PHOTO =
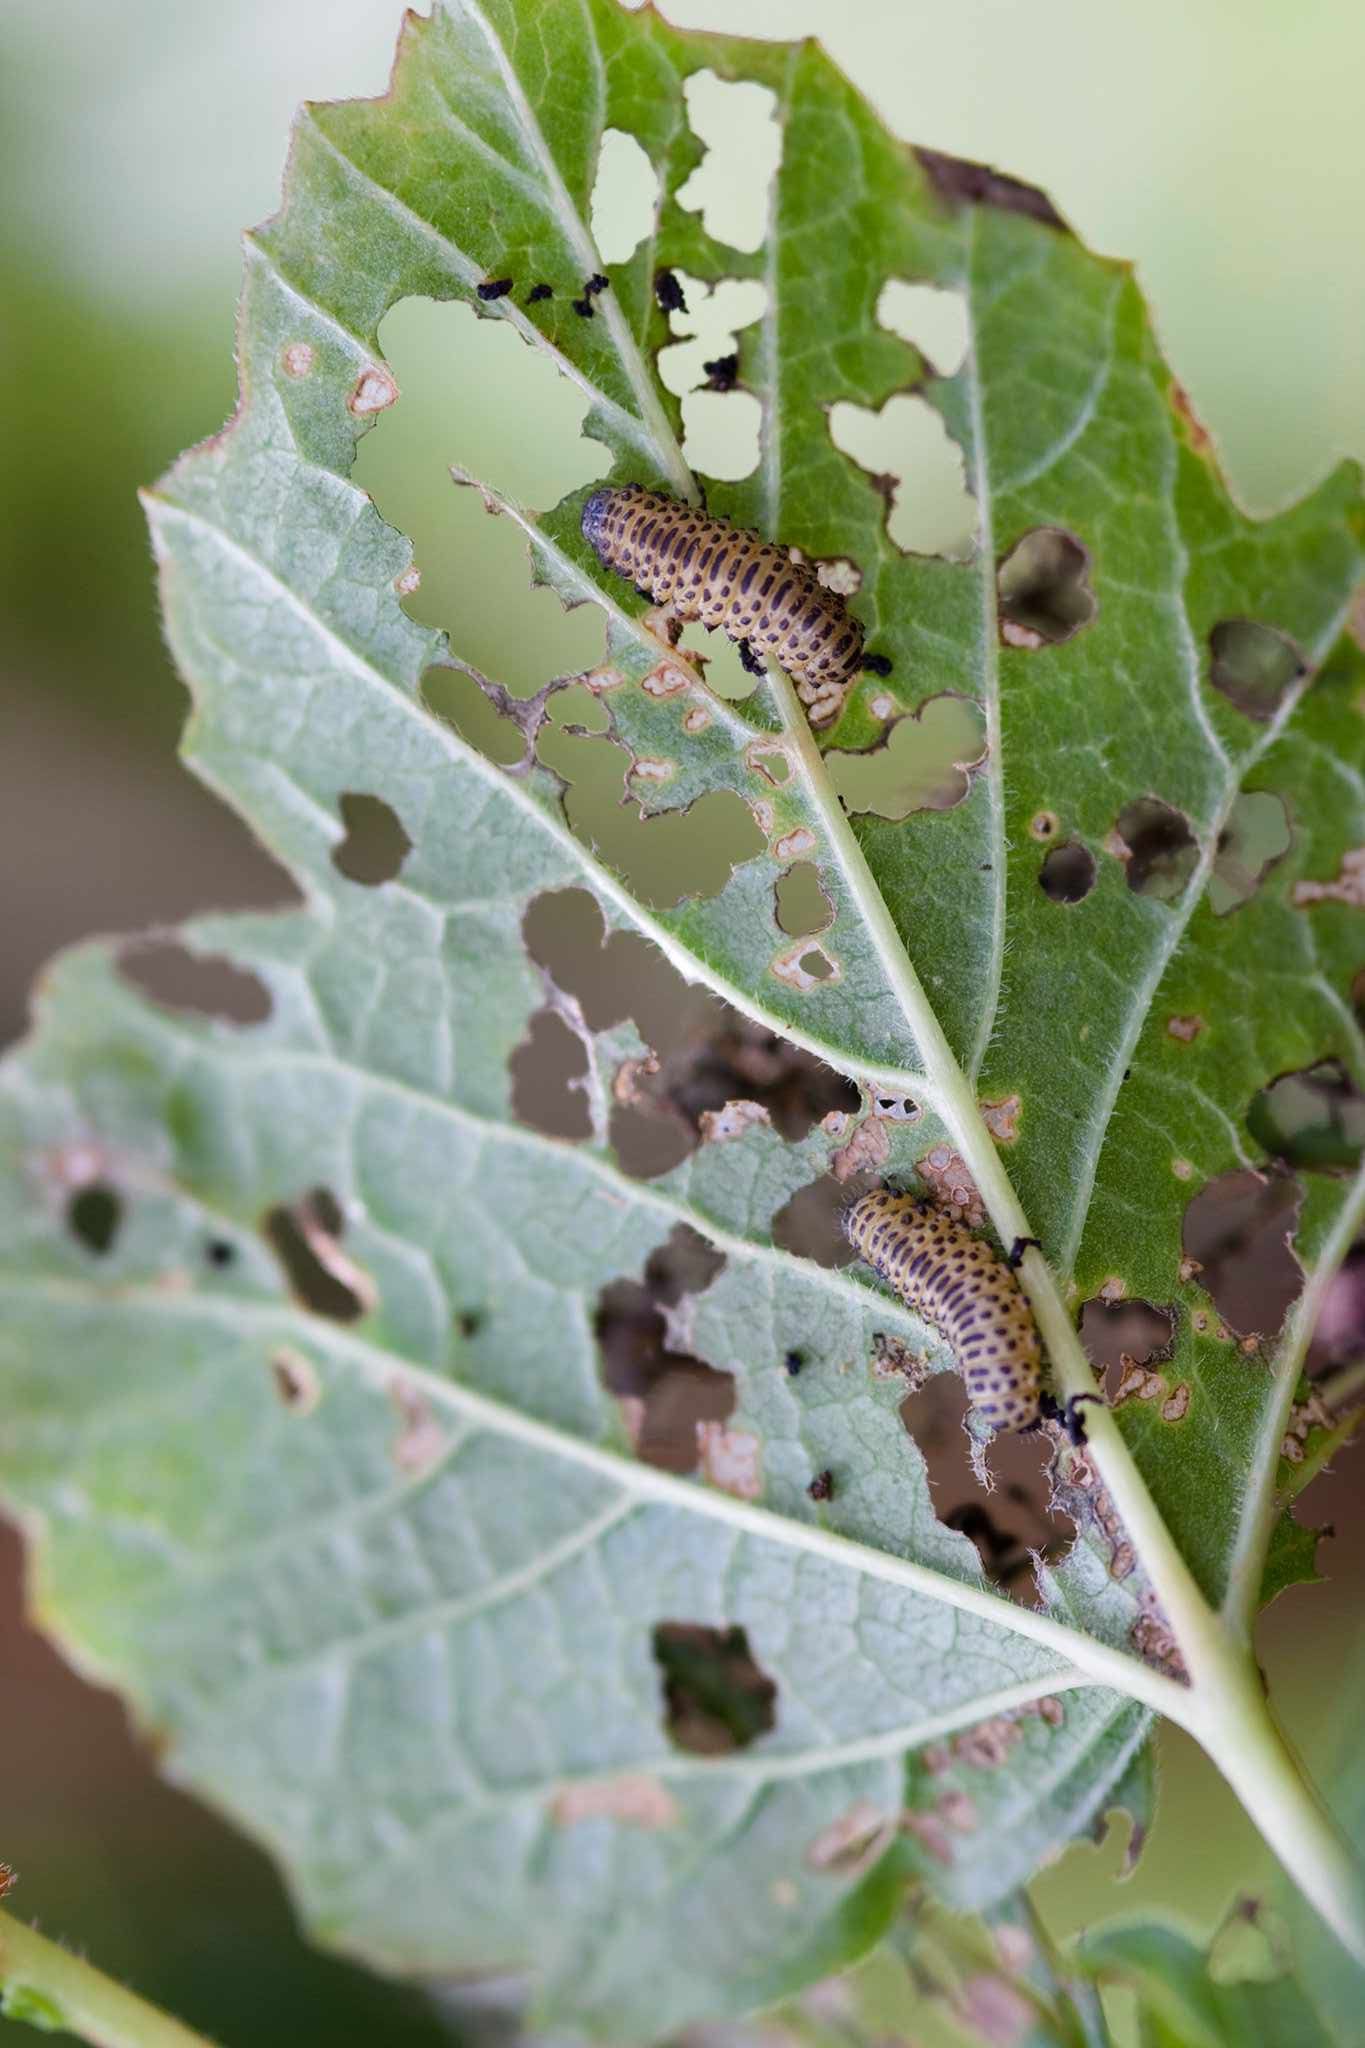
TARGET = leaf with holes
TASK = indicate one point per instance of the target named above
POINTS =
(344, 1384)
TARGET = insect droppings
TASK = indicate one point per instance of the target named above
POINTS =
(722, 374)
(494, 288)
(703, 568)
(793, 1362)
(669, 292)
(956, 1282)
(583, 307)
(822, 1486)
(537, 293)
(595, 284)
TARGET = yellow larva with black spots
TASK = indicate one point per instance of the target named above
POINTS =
(959, 1284)
(703, 568)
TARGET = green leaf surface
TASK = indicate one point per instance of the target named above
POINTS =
(386, 1586)
(1181, 2004)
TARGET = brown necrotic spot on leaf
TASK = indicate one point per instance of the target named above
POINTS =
(866, 1150)
(1157, 847)
(1347, 888)
(948, 1181)
(624, 196)
(1178, 1406)
(923, 764)
(373, 391)
(1067, 874)
(296, 359)
(802, 905)
(93, 1215)
(959, 182)
(1186, 1029)
(666, 1394)
(1044, 826)
(716, 1698)
(1239, 1228)
(1256, 835)
(296, 1380)
(731, 1120)
(1002, 1118)
(853, 1842)
(375, 845)
(1254, 666)
(908, 438)
(635, 1799)
(548, 1071)
(1313, 1117)
(200, 984)
(305, 1236)
(1043, 589)
(731, 1459)
(421, 1441)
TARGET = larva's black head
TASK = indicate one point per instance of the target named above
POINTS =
(594, 517)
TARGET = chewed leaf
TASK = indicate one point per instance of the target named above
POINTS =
(514, 1537)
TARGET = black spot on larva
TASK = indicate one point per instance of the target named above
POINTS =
(1043, 589)
(1254, 666)
(716, 1698)
(1068, 872)
(669, 292)
(961, 182)
(375, 845)
(494, 288)
(93, 1216)
(722, 374)
(537, 293)
(1162, 850)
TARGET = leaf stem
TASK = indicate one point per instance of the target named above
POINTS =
(44, 1983)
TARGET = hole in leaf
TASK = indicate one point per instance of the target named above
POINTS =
(475, 395)
(1116, 1333)
(93, 1216)
(613, 976)
(625, 196)
(306, 1238)
(802, 906)
(375, 845)
(1238, 1230)
(1067, 874)
(199, 984)
(908, 450)
(1314, 1117)
(923, 764)
(725, 670)
(721, 433)
(1006, 1524)
(931, 318)
(1339, 1338)
(1157, 846)
(665, 855)
(811, 1223)
(730, 187)
(1256, 835)
(547, 1072)
(664, 1391)
(456, 698)
(716, 1698)
(1254, 666)
(1043, 589)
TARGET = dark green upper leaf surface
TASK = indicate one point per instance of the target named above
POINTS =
(389, 1586)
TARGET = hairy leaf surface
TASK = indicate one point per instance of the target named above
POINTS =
(385, 1575)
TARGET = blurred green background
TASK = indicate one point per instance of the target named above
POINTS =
(1218, 143)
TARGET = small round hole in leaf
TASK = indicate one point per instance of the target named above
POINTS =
(375, 845)
(1044, 590)
(1162, 852)
(1253, 666)
(93, 1216)
(1067, 873)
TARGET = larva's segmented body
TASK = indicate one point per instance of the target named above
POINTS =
(958, 1283)
(704, 568)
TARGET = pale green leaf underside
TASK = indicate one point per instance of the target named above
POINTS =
(397, 1678)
